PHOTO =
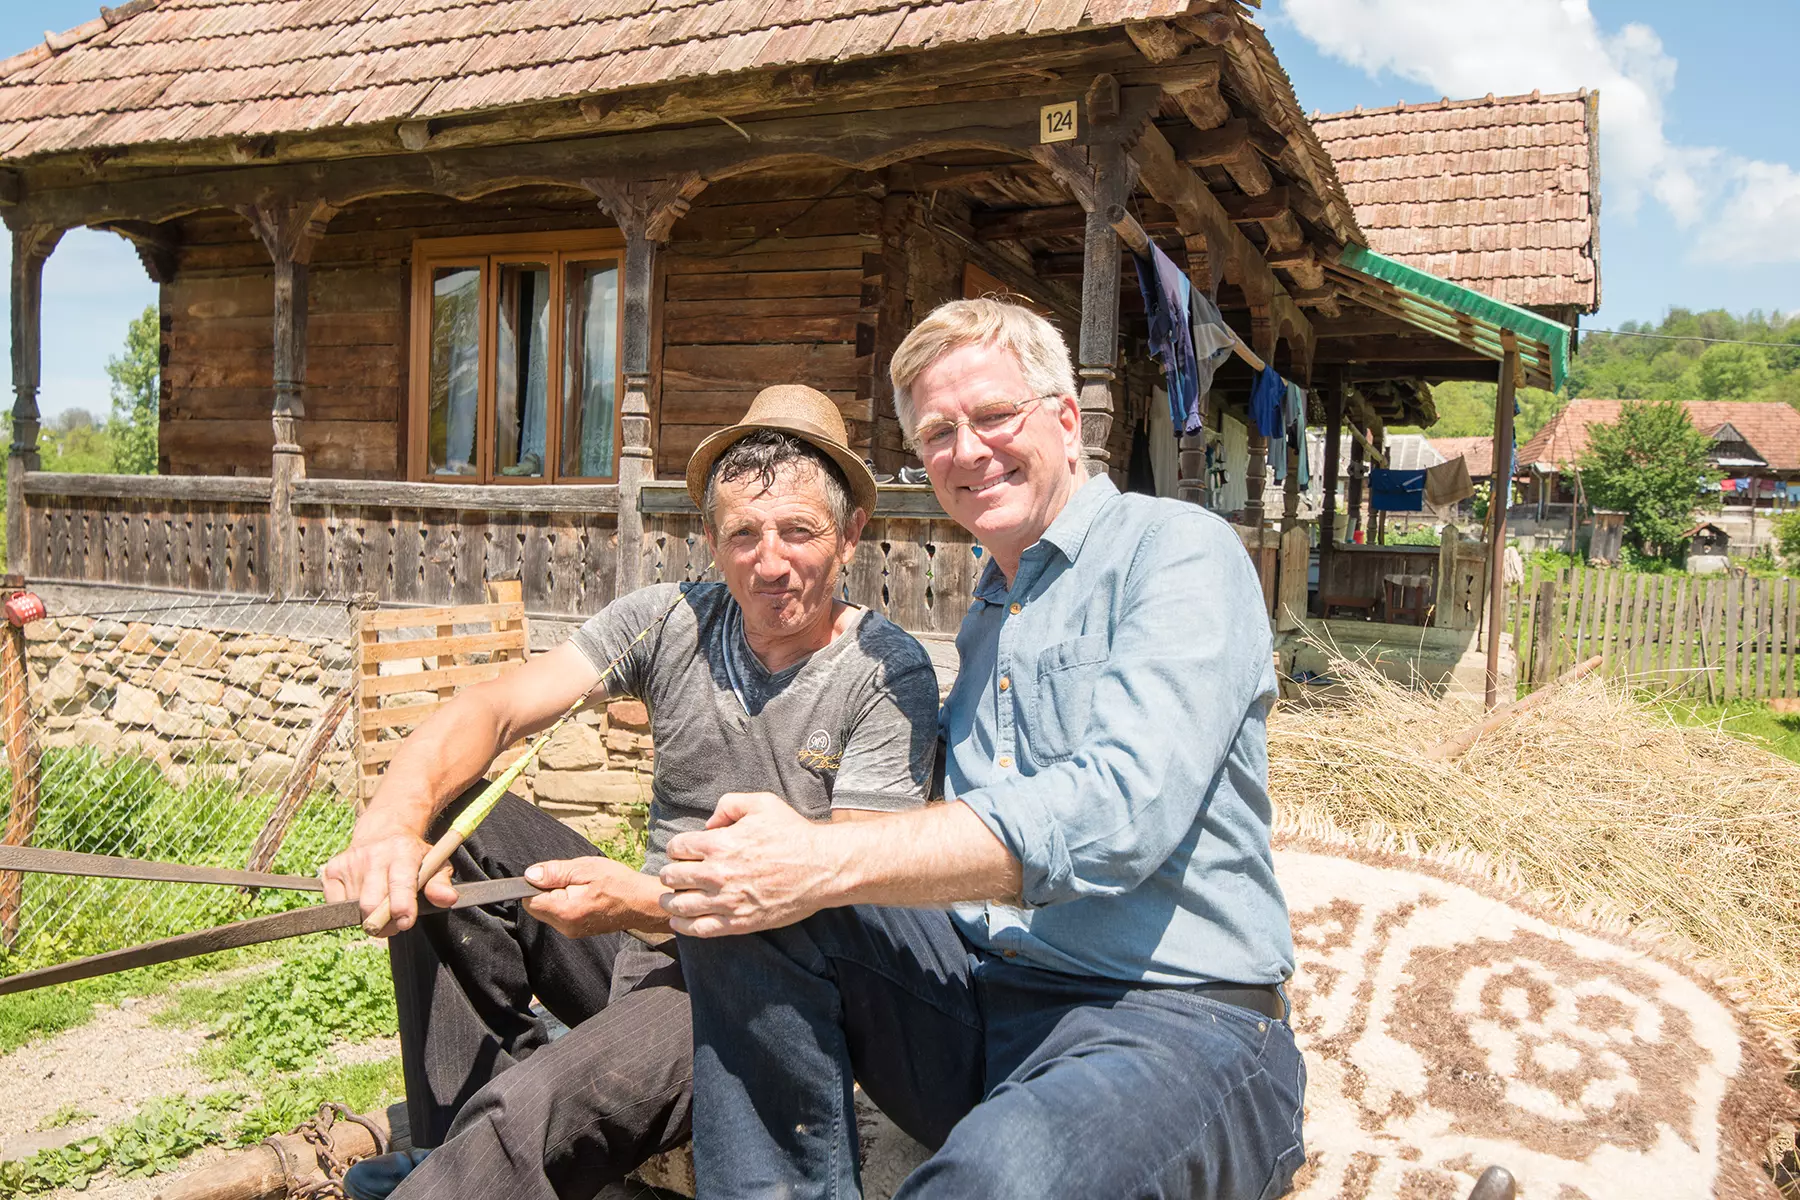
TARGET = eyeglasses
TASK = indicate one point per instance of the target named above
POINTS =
(993, 420)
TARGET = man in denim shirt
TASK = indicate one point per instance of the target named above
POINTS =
(1065, 981)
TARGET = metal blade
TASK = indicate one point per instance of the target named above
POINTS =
(105, 866)
(314, 919)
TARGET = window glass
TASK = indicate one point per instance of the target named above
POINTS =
(455, 381)
(521, 369)
(590, 371)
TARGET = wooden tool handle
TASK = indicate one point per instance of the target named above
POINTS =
(434, 861)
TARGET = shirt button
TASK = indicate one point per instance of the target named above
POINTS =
(1005, 682)
(1006, 760)
(1016, 608)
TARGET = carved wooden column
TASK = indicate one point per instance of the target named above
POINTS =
(1097, 354)
(288, 230)
(1101, 179)
(1191, 482)
(646, 211)
(31, 246)
(1255, 477)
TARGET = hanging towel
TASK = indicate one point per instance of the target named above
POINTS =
(1213, 344)
(1448, 483)
(1396, 491)
(1166, 292)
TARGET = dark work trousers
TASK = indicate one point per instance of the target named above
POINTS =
(510, 1112)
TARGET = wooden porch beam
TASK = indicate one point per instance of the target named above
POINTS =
(288, 230)
(853, 139)
(646, 211)
(31, 248)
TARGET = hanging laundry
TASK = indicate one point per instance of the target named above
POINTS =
(1213, 344)
(1396, 491)
(1296, 427)
(1166, 293)
(1266, 395)
(1448, 483)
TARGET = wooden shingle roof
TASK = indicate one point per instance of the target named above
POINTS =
(1769, 426)
(1499, 195)
(184, 70)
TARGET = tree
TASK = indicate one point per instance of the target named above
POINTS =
(1731, 372)
(1652, 466)
(134, 396)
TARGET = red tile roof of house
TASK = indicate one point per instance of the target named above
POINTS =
(185, 70)
(1477, 452)
(1498, 195)
(1772, 428)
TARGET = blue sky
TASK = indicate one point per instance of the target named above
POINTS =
(1700, 129)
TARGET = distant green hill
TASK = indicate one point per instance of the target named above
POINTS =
(1694, 365)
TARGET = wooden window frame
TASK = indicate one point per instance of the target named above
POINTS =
(556, 250)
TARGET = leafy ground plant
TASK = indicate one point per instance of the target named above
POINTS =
(332, 990)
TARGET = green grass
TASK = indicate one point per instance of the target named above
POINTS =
(1778, 732)
(124, 806)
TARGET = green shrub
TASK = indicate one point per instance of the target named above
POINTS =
(1787, 537)
(332, 990)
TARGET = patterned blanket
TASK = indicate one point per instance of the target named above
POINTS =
(1449, 1022)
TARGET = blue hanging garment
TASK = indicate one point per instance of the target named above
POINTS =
(1266, 395)
(1396, 491)
(1165, 290)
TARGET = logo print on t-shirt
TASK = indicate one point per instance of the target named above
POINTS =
(816, 754)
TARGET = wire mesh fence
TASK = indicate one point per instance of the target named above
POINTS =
(205, 730)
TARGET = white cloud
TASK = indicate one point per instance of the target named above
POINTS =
(1463, 48)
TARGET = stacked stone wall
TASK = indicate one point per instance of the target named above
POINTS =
(242, 705)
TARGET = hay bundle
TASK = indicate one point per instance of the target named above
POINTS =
(1603, 804)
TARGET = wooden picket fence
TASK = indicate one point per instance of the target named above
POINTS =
(1715, 638)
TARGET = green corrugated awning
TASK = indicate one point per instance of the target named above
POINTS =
(1456, 313)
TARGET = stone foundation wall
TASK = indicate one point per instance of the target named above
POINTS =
(242, 705)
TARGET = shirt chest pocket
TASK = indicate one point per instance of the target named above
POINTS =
(1061, 699)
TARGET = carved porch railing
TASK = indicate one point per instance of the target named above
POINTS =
(424, 543)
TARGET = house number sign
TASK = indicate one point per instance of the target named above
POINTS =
(1056, 122)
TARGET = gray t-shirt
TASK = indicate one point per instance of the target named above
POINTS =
(853, 725)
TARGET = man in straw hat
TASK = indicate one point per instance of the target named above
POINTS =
(764, 682)
(1101, 1015)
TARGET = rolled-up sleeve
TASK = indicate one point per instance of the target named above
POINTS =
(1189, 664)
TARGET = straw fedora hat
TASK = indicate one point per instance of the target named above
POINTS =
(794, 408)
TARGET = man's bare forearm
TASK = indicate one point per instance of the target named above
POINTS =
(930, 858)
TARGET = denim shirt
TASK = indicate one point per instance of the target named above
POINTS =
(1109, 725)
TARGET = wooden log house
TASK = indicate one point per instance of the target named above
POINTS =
(449, 292)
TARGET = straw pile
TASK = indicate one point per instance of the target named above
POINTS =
(1604, 805)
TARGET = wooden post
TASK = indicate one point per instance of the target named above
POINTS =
(288, 230)
(1098, 351)
(646, 211)
(31, 247)
(21, 759)
(1353, 499)
(1502, 490)
(1290, 493)
(1191, 482)
(1334, 434)
(1254, 477)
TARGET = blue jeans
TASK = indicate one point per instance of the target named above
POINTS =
(1024, 1082)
